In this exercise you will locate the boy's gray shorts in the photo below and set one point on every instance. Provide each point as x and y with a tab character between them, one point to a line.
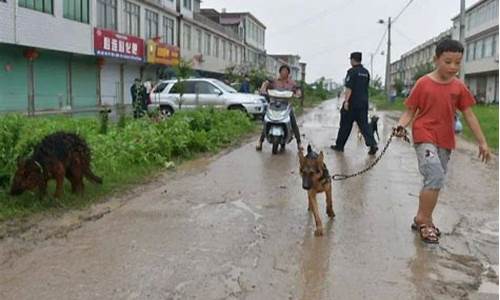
432	164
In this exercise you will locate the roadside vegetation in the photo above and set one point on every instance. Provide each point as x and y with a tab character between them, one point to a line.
121	155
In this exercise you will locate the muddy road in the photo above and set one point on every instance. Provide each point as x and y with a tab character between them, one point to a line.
237	227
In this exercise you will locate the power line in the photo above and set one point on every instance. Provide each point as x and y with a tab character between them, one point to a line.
402	11
404	36
381	41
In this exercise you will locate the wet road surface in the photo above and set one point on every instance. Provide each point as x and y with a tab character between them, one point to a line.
237	227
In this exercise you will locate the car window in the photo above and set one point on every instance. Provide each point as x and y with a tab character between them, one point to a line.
225	87
160	87
189	88
203	87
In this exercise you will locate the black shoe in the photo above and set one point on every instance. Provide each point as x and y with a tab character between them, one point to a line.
373	150
336	148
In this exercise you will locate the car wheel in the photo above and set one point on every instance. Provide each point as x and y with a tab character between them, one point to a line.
166	111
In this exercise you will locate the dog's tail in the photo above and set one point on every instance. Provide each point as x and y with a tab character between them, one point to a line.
92	177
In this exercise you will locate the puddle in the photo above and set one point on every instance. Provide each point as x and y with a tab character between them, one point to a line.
242	205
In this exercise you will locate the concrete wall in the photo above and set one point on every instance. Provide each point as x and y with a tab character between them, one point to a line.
210	62
27	27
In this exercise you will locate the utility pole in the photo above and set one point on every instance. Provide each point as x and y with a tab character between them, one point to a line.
462	36
388	62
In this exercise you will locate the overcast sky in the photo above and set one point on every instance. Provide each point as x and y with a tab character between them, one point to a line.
324	32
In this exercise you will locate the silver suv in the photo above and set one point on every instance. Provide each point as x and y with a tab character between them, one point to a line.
202	92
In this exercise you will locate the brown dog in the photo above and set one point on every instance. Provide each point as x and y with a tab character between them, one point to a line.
58	155
316	179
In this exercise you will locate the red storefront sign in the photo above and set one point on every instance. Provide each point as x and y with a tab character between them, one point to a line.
112	44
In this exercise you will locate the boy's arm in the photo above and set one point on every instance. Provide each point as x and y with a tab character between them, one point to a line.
470	118
407	117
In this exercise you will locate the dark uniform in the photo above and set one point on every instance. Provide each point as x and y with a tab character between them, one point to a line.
357	79
139	96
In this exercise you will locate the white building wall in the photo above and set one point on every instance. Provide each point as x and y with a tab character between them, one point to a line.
210	62
27	27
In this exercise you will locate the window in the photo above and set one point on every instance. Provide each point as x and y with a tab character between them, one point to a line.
216	46
151	24
189	88
207	44
479	50
470	52
161	87
106	14
45	6
168	31
187	4
203	87
77	10
224	50
186	35
488	47
494	48
132	18
198	40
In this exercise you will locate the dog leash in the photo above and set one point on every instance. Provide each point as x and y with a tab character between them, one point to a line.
339	177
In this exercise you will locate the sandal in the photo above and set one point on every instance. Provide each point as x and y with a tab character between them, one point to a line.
414	226
428	234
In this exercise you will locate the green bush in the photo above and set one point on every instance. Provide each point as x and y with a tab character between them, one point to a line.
121	155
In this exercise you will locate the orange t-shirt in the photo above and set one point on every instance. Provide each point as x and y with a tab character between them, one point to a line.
437	104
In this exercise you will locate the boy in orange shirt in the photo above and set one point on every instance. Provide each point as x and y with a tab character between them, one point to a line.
431	107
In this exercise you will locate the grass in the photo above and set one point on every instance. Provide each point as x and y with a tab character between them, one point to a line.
123	156
486	114
488	118
381	102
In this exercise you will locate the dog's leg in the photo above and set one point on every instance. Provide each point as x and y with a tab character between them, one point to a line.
309	206
329	202
59	175
317	219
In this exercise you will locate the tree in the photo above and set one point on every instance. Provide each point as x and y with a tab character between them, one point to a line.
423	70
183	71
399	85
238	73
377	82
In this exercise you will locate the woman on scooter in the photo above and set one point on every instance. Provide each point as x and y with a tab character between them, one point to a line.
283	82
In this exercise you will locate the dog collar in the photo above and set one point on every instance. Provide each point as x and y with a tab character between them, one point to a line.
39	166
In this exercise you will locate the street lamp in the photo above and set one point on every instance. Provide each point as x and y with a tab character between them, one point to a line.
388	56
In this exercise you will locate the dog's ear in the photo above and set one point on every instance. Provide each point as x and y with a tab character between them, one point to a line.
309	149
321	158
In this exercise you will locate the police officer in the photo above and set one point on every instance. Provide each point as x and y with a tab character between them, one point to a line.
355	106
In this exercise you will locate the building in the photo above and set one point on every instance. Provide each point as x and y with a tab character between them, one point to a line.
293	61
481	49
249	29
273	64
76	55
416	60
41	71
96	48
210	46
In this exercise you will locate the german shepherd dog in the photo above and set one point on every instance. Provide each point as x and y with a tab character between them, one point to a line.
316	179
58	155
